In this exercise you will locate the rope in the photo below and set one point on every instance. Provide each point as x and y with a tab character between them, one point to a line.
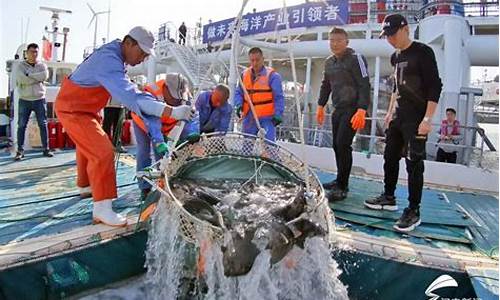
261	131
297	104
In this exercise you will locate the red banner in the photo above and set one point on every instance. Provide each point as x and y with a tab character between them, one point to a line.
46	49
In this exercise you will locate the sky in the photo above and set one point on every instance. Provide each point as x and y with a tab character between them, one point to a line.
125	14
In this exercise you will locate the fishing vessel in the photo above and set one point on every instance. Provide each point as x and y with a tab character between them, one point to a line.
49	248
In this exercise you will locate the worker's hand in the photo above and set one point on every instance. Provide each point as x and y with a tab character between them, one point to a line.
277	120
193	138
387	119
182	112
320	115
424	128
161	149
238	111
358	119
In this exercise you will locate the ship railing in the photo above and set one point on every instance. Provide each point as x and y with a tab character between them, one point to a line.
481	9
169	31
322	137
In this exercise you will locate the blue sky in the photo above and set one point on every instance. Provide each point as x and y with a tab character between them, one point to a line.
124	15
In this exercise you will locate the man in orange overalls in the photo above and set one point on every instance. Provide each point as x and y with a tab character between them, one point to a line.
84	93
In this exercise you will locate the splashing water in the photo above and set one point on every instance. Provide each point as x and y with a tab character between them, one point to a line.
166	253
309	273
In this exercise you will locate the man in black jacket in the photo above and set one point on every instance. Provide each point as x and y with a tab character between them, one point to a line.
417	88
346	78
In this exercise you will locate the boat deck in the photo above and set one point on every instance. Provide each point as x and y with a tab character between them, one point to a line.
41	214
39	196
458	220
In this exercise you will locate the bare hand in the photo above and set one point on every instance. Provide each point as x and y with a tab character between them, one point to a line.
387	119
424	128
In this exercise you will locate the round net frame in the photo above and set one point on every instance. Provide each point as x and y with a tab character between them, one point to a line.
240	145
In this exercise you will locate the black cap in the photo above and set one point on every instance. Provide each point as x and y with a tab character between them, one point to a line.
392	23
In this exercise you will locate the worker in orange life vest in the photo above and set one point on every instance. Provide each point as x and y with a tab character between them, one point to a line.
172	90
265	91
84	93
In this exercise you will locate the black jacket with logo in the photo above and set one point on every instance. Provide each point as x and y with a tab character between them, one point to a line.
346	78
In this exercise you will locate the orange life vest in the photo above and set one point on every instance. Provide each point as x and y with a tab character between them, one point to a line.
167	123
259	92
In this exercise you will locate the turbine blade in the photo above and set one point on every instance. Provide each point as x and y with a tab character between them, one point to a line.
93	12
90	23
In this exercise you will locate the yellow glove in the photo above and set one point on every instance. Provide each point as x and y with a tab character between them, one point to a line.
320	115
358	119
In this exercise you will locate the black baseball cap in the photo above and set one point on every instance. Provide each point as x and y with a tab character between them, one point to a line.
392	23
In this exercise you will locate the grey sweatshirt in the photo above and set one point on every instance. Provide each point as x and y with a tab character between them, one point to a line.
30	80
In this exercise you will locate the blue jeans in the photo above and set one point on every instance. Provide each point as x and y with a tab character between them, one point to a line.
143	157
25	109
250	127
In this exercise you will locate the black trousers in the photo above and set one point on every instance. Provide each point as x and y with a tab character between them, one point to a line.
182	38
449	157
402	141
110	122
343	135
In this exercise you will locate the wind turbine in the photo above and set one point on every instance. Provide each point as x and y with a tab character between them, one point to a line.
95	16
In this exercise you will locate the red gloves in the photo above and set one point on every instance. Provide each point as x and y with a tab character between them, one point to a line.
358	119
320	115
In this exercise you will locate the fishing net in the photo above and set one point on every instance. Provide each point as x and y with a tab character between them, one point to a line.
238	156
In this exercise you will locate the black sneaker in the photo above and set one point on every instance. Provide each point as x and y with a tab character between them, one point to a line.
48	153
408	221
332	185
336	195
382	202
19	155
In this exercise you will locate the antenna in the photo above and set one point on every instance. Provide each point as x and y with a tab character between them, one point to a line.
55	28
95	16
109	18
26	32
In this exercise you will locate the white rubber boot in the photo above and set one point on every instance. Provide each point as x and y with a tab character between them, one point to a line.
103	213
85	192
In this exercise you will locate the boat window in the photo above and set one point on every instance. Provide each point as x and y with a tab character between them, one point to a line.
61	73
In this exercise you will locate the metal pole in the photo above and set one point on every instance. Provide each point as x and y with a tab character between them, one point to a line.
368	34
54	40
95	32
466	157
307	88
376	85
297	104
64	46
151	70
